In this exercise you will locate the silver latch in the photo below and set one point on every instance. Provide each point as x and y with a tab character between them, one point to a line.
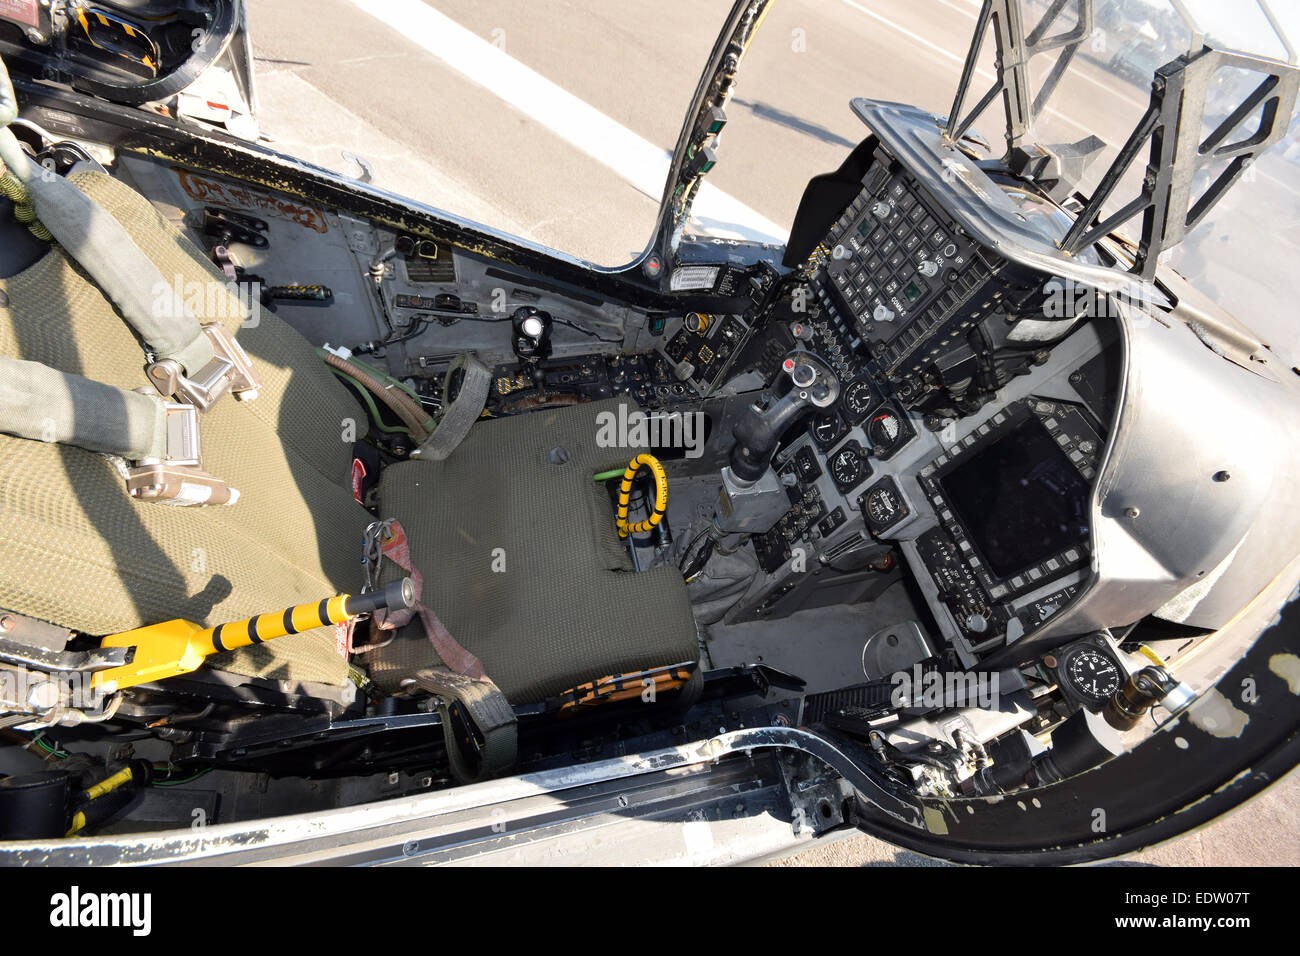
229	371
178	479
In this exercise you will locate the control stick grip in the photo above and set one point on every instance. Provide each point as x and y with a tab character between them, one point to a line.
757	433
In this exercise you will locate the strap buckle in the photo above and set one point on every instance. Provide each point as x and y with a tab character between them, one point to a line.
230	370
178	479
372	552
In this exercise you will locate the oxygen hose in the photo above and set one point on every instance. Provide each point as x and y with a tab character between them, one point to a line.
11	157
24	211
625	492
401	405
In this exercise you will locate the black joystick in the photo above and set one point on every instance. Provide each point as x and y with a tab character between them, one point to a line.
812	385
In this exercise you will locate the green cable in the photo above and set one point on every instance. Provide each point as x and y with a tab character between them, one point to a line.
384	376
177	783
61	754
370	404
607	475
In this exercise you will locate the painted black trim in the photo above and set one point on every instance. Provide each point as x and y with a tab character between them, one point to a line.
1153	793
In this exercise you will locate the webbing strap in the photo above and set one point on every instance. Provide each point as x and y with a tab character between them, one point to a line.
103	247
461	679
487	711
394	547
44	404
158	440
459	415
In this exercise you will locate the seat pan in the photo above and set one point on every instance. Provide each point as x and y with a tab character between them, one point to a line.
522	562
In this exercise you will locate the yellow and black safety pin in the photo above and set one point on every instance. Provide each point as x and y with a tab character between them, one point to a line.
178	647
625	494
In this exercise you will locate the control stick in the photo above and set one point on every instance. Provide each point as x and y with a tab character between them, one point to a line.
812	385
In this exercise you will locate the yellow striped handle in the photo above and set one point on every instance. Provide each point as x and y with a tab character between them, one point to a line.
265	627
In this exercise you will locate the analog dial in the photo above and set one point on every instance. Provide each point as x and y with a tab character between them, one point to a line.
1091	674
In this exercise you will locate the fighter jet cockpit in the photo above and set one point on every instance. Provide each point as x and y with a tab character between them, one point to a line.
946	516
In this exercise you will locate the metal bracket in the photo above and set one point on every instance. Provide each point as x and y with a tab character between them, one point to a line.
62	662
1014	51
228	227
1178	153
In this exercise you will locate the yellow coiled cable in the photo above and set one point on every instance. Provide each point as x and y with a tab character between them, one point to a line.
625	491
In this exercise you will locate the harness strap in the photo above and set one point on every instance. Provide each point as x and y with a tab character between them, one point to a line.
159	440
461	680
463	412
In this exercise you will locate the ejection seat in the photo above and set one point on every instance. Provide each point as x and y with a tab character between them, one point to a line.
516	543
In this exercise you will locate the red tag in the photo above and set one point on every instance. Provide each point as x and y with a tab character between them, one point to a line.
341	634
358	475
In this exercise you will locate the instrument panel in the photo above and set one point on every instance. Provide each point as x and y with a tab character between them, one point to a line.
906	277
990	507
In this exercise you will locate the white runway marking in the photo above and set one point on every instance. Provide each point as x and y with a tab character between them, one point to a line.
635	159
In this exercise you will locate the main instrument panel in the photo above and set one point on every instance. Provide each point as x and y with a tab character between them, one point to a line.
990	506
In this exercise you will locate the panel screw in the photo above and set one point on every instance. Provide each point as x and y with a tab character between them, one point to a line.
1131	512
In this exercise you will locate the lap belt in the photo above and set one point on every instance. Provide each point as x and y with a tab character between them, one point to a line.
159	440
460	680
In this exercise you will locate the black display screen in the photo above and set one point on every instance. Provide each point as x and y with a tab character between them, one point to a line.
1020	499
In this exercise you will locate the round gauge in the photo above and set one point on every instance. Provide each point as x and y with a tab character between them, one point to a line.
827	429
858	399
847	467
885	428
888	431
1090	673
882	506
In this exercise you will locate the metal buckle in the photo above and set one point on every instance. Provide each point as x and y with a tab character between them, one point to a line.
180	485
183	445
178	479
229	371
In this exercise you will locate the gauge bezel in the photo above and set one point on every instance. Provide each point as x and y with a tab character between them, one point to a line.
1071	652
840	431
873	401
906	431
864	465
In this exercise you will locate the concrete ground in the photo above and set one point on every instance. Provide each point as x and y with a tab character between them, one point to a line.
552	120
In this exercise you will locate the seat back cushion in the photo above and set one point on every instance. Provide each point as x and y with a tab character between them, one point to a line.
77	551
